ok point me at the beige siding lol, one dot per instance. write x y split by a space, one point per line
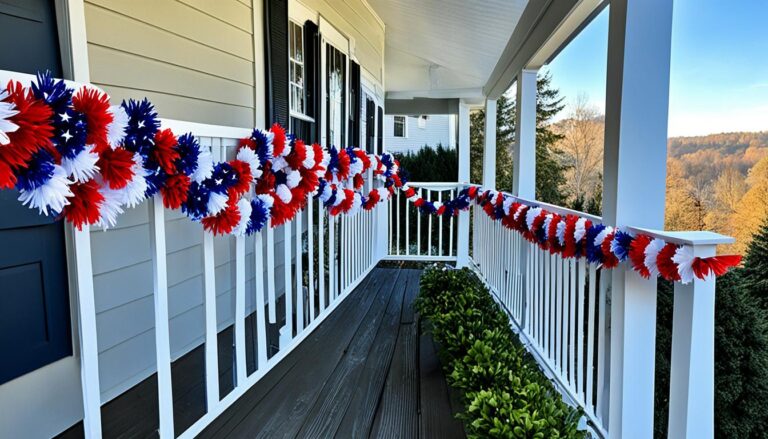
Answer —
354 19
193 58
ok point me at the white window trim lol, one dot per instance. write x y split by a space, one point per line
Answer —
291 63
405 126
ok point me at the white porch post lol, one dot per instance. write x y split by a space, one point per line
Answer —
637 95
462 240
524 177
692 372
489 149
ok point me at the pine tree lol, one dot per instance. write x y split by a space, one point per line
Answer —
754 275
550 175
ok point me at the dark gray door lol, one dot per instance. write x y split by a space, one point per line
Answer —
34 297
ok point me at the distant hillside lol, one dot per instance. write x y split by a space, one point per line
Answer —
704 157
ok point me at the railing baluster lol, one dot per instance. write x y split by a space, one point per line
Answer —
271 274
211 342
311 256
332 273
602 344
592 307
299 275
451 251
572 294
162 331
397 220
558 273
440 226
407 227
287 284
321 254
240 310
261 324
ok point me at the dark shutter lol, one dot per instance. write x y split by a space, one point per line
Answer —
276 48
381 131
370 125
34 291
355 90
303 129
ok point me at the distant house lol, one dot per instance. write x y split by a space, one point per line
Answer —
411 133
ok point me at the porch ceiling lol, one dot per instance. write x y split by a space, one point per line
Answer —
444 48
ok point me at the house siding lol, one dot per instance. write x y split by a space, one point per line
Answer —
437 130
193 59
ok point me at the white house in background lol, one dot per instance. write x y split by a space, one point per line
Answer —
405 133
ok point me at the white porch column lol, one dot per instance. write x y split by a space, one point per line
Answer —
489 149
524 178
462 240
692 369
637 101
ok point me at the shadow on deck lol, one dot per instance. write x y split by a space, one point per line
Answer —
366 371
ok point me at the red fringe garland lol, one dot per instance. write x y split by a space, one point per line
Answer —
95 106
84 205
164 151
115 166
175 191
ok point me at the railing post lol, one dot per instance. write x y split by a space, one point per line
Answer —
489 149
89 352
462 239
637 97
692 374
524 162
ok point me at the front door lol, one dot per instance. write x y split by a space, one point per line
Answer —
34 297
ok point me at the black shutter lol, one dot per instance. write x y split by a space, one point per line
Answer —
276 48
370 125
355 90
304 129
381 131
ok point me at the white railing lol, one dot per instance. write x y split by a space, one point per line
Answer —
557 304
323 260
562 309
412 235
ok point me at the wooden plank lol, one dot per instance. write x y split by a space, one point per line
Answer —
288 405
436 418
345 317
397 415
334 399
411 279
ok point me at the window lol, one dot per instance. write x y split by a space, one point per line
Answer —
400 130
297 94
336 91
423 121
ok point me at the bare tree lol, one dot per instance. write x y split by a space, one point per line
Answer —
582 147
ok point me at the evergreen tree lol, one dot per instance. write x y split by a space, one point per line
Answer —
550 177
754 275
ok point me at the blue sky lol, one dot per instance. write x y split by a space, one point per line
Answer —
719 70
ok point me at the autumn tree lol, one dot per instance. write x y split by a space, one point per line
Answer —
582 147
685 209
753 206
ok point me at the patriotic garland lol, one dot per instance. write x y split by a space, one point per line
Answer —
71 154
572 236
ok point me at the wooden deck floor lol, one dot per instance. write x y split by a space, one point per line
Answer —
366 371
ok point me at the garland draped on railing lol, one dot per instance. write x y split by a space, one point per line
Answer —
73 155
573 236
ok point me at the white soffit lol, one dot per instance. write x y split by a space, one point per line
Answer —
444 48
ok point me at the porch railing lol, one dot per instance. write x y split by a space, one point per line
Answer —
412 235
562 310
323 260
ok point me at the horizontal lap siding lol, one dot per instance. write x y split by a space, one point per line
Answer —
436 130
193 59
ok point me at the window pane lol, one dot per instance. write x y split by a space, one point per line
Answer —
298 75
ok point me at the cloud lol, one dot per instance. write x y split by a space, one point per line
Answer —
722 120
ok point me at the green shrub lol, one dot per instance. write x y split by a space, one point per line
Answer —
505 393
431 164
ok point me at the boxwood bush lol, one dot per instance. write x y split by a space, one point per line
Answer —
504 392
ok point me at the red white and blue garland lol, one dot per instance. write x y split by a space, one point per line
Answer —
574 236
73 155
